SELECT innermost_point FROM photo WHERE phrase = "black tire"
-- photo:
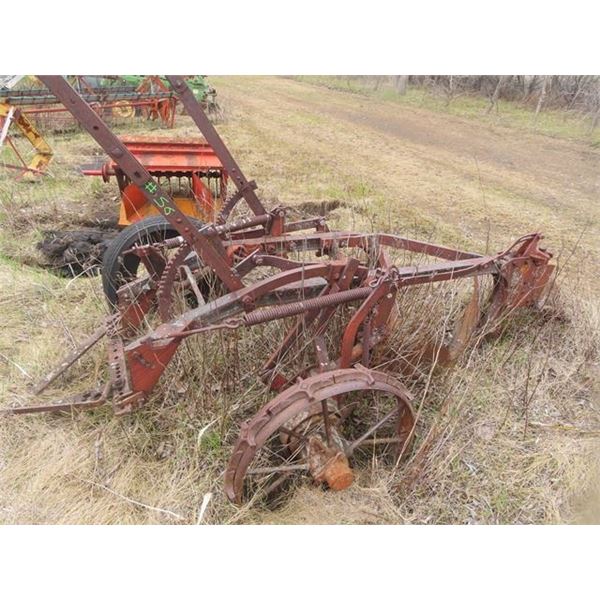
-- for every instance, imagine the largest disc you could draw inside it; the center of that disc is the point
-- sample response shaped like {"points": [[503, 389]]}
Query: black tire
{"points": [[118, 269]]}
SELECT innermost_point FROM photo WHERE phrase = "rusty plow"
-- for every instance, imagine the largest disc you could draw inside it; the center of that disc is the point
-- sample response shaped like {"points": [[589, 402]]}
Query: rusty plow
{"points": [[324, 419]]}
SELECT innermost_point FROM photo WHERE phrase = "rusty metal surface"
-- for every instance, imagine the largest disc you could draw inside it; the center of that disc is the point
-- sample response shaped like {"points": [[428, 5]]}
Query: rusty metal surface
{"points": [[311, 413], [298, 406], [328, 464], [210, 134]]}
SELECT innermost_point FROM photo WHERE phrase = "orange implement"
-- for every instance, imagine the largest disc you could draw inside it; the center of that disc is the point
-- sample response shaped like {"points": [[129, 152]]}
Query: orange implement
{"points": [[191, 171]]}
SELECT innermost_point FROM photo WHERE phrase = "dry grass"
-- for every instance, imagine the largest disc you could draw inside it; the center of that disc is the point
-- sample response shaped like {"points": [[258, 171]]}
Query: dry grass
{"points": [[508, 436]]}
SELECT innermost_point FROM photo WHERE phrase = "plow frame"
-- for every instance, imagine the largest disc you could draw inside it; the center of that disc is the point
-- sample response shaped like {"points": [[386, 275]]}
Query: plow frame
{"points": [[308, 290]]}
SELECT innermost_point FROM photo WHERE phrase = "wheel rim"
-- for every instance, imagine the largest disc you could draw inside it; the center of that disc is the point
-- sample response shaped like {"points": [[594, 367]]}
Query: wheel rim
{"points": [[289, 436], [123, 109]]}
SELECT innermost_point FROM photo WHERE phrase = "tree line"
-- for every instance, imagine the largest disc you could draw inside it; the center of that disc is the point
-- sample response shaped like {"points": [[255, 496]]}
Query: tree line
{"points": [[580, 93]]}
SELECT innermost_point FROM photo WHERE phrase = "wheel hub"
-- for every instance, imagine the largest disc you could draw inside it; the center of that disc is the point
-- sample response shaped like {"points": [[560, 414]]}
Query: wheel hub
{"points": [[329, 465], [323, 448]]}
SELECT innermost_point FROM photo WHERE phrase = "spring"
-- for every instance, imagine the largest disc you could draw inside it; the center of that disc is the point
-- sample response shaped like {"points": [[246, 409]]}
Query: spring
{"points": [[296, 308]]}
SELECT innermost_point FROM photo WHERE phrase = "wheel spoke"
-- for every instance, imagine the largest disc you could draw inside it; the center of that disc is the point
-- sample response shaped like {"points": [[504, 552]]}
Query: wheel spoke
{"points": [[346, 412], [293, 433], [369, 431], [375, 441], [281, 469], [276, 484], [326, 421]]}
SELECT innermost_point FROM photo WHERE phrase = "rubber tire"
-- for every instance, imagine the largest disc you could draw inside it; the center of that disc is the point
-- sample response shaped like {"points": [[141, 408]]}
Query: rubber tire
{"points": [[115, 268]]}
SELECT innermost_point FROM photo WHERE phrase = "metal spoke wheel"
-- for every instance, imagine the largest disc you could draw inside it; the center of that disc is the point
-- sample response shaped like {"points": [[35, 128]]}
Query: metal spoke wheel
{"points": [[321, 428]]}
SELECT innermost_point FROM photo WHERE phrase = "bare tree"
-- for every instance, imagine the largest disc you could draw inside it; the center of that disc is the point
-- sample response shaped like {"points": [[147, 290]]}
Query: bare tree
{"points": [[545, 81], [596, 116], [529, 82], [570, 92], [494, 98], [449, 89], [401, 84]]}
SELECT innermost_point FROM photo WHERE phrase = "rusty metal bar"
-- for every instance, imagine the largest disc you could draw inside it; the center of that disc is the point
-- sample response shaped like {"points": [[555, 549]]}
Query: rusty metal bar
{"points": [[92, 399], [245, 188], [82, 349]]}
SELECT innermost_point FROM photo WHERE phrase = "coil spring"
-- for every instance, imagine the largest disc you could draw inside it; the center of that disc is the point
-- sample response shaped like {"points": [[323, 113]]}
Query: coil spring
{"points": [[295, 308]]}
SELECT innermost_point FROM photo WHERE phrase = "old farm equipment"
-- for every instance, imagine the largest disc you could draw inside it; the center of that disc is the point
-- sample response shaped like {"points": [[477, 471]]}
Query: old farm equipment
{"points": [[150, 97], [26, 166], [203, 92], [327, 414], [191, 171], [195, 179]]}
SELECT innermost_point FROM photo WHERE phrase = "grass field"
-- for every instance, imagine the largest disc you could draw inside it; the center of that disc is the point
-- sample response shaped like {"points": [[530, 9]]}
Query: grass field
{"points": [[511, 435], [567, 124]]}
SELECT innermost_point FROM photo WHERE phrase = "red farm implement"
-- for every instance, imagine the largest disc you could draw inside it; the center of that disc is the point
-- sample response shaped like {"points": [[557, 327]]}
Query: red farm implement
{"points": [[190, 171], [339, 405], [150, 98]]}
